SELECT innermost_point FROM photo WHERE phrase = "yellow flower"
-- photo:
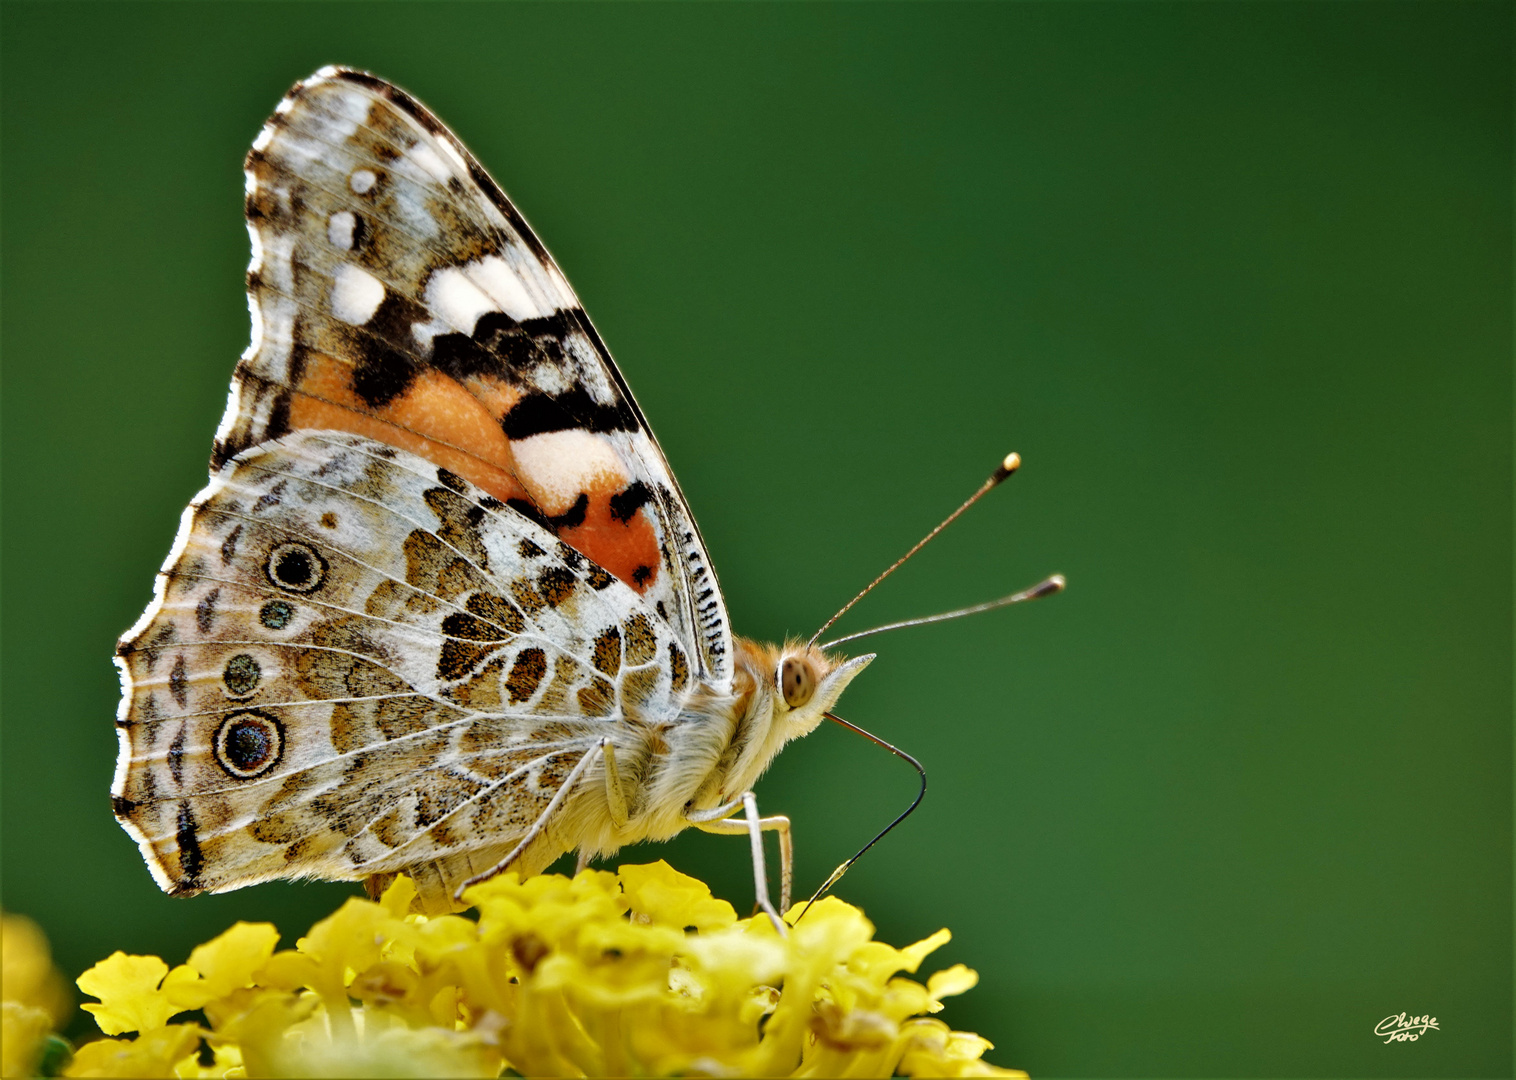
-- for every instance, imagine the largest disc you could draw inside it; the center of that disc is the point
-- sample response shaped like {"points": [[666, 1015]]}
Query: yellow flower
{"points": [[35, 1000], [639, 972]]}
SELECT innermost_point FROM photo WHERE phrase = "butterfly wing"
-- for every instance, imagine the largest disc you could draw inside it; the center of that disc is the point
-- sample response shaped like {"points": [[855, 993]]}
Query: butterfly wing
{"points": [[359, 662], [396, 293]]}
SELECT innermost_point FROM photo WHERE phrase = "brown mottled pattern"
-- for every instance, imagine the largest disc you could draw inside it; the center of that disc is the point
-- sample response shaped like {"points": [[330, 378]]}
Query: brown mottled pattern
{"points": [[408, 715], [382, 751], [552, 771], [392, 829], [498, 610], [457, 658], [447, 790], [458, 530], [639, 688], [607, 656], [556, 584], [678, 667], [529, 598], [495, 763], [598, 578], [641, 645], [399, 633], [435, 568], [598, 698], [482, 692], [389, 599], [566, 673], [526, 674]]}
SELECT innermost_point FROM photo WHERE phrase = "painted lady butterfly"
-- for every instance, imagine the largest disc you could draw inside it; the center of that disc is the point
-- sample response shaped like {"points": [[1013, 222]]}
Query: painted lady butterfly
{"points": [[441, 607]]}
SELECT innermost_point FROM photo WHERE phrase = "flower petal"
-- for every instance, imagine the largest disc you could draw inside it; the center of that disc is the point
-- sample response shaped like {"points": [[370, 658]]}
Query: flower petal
{"points": [[664, 895], [154, 1053], [127, 987]]}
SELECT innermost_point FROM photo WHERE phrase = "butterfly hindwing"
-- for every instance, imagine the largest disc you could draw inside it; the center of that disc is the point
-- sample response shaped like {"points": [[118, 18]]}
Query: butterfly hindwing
{"points": [[359, 662], [396, 293]]}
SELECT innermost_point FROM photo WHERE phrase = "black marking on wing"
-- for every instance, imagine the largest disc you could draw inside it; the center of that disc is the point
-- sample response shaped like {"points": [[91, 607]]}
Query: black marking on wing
{"points": [[178, 682], [191, 860], [570, 518], [385, 369], [205, 610], [626, 503], [229, 546], [176, 756], [498, 342], [535, 414]]}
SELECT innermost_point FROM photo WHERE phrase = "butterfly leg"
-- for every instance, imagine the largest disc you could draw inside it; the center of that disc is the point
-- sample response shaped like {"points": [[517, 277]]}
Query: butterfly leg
{"points": [[589, 757], [615, 795], [615, 799], [716, 821]]}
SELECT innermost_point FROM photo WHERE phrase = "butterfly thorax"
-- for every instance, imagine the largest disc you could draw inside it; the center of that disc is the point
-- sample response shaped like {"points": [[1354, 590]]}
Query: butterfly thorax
{"points": [[721, 742]]}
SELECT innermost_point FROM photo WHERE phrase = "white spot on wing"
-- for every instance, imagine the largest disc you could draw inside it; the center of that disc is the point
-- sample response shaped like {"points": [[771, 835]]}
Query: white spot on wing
{"points": [[460, 294], [549, 378], [339, 229], [456, 299], [362, 181], [557, 465], [560, 286], [257, 339], [255, 263], [429, 163], [356, 294], [275, 253], [500, 282], [452, 155]]}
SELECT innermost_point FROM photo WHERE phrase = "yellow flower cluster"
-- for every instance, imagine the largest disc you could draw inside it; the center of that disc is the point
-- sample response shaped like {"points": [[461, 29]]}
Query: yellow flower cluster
{"points": [[634, 973], [35, 999]]}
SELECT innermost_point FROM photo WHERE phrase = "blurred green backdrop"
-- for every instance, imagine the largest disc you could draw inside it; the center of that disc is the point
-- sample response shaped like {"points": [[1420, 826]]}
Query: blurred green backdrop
{"points": [[1235, 280]]}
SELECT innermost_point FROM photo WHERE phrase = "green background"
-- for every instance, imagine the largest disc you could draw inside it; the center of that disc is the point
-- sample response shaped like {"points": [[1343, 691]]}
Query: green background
{"points": [[1234, 279]]}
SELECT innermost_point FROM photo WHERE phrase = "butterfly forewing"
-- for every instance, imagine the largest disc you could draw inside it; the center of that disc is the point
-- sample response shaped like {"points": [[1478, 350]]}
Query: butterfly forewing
{"points": [[360, 662], [396, 293]]}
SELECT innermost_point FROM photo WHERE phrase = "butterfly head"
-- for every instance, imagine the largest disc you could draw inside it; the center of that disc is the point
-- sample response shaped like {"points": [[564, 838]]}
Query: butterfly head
{"points": [[807, 682]]}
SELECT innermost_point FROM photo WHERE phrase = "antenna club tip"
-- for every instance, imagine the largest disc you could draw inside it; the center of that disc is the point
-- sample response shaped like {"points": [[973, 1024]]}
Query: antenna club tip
{"points": [[1058, 582], [1011, 463]]}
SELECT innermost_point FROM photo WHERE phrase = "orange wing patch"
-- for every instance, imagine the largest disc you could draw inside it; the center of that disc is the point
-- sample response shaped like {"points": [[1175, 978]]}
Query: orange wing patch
{"points": [[579, 479], [628, 548], [575, 479], [435, 418]]}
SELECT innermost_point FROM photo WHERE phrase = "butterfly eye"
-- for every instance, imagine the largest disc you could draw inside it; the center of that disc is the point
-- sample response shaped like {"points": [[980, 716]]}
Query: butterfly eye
{"points": [[797, 681], [249, 744], [296, 567]]}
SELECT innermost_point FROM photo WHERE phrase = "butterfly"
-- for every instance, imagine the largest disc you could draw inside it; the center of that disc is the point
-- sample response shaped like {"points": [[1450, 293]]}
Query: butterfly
{"points": [[441, 608]]}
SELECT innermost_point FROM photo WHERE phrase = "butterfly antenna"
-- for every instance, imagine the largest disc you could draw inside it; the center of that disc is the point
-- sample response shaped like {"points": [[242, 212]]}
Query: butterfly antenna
{"points": [[1047, 587], [1008, 466], [836, 874]]}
